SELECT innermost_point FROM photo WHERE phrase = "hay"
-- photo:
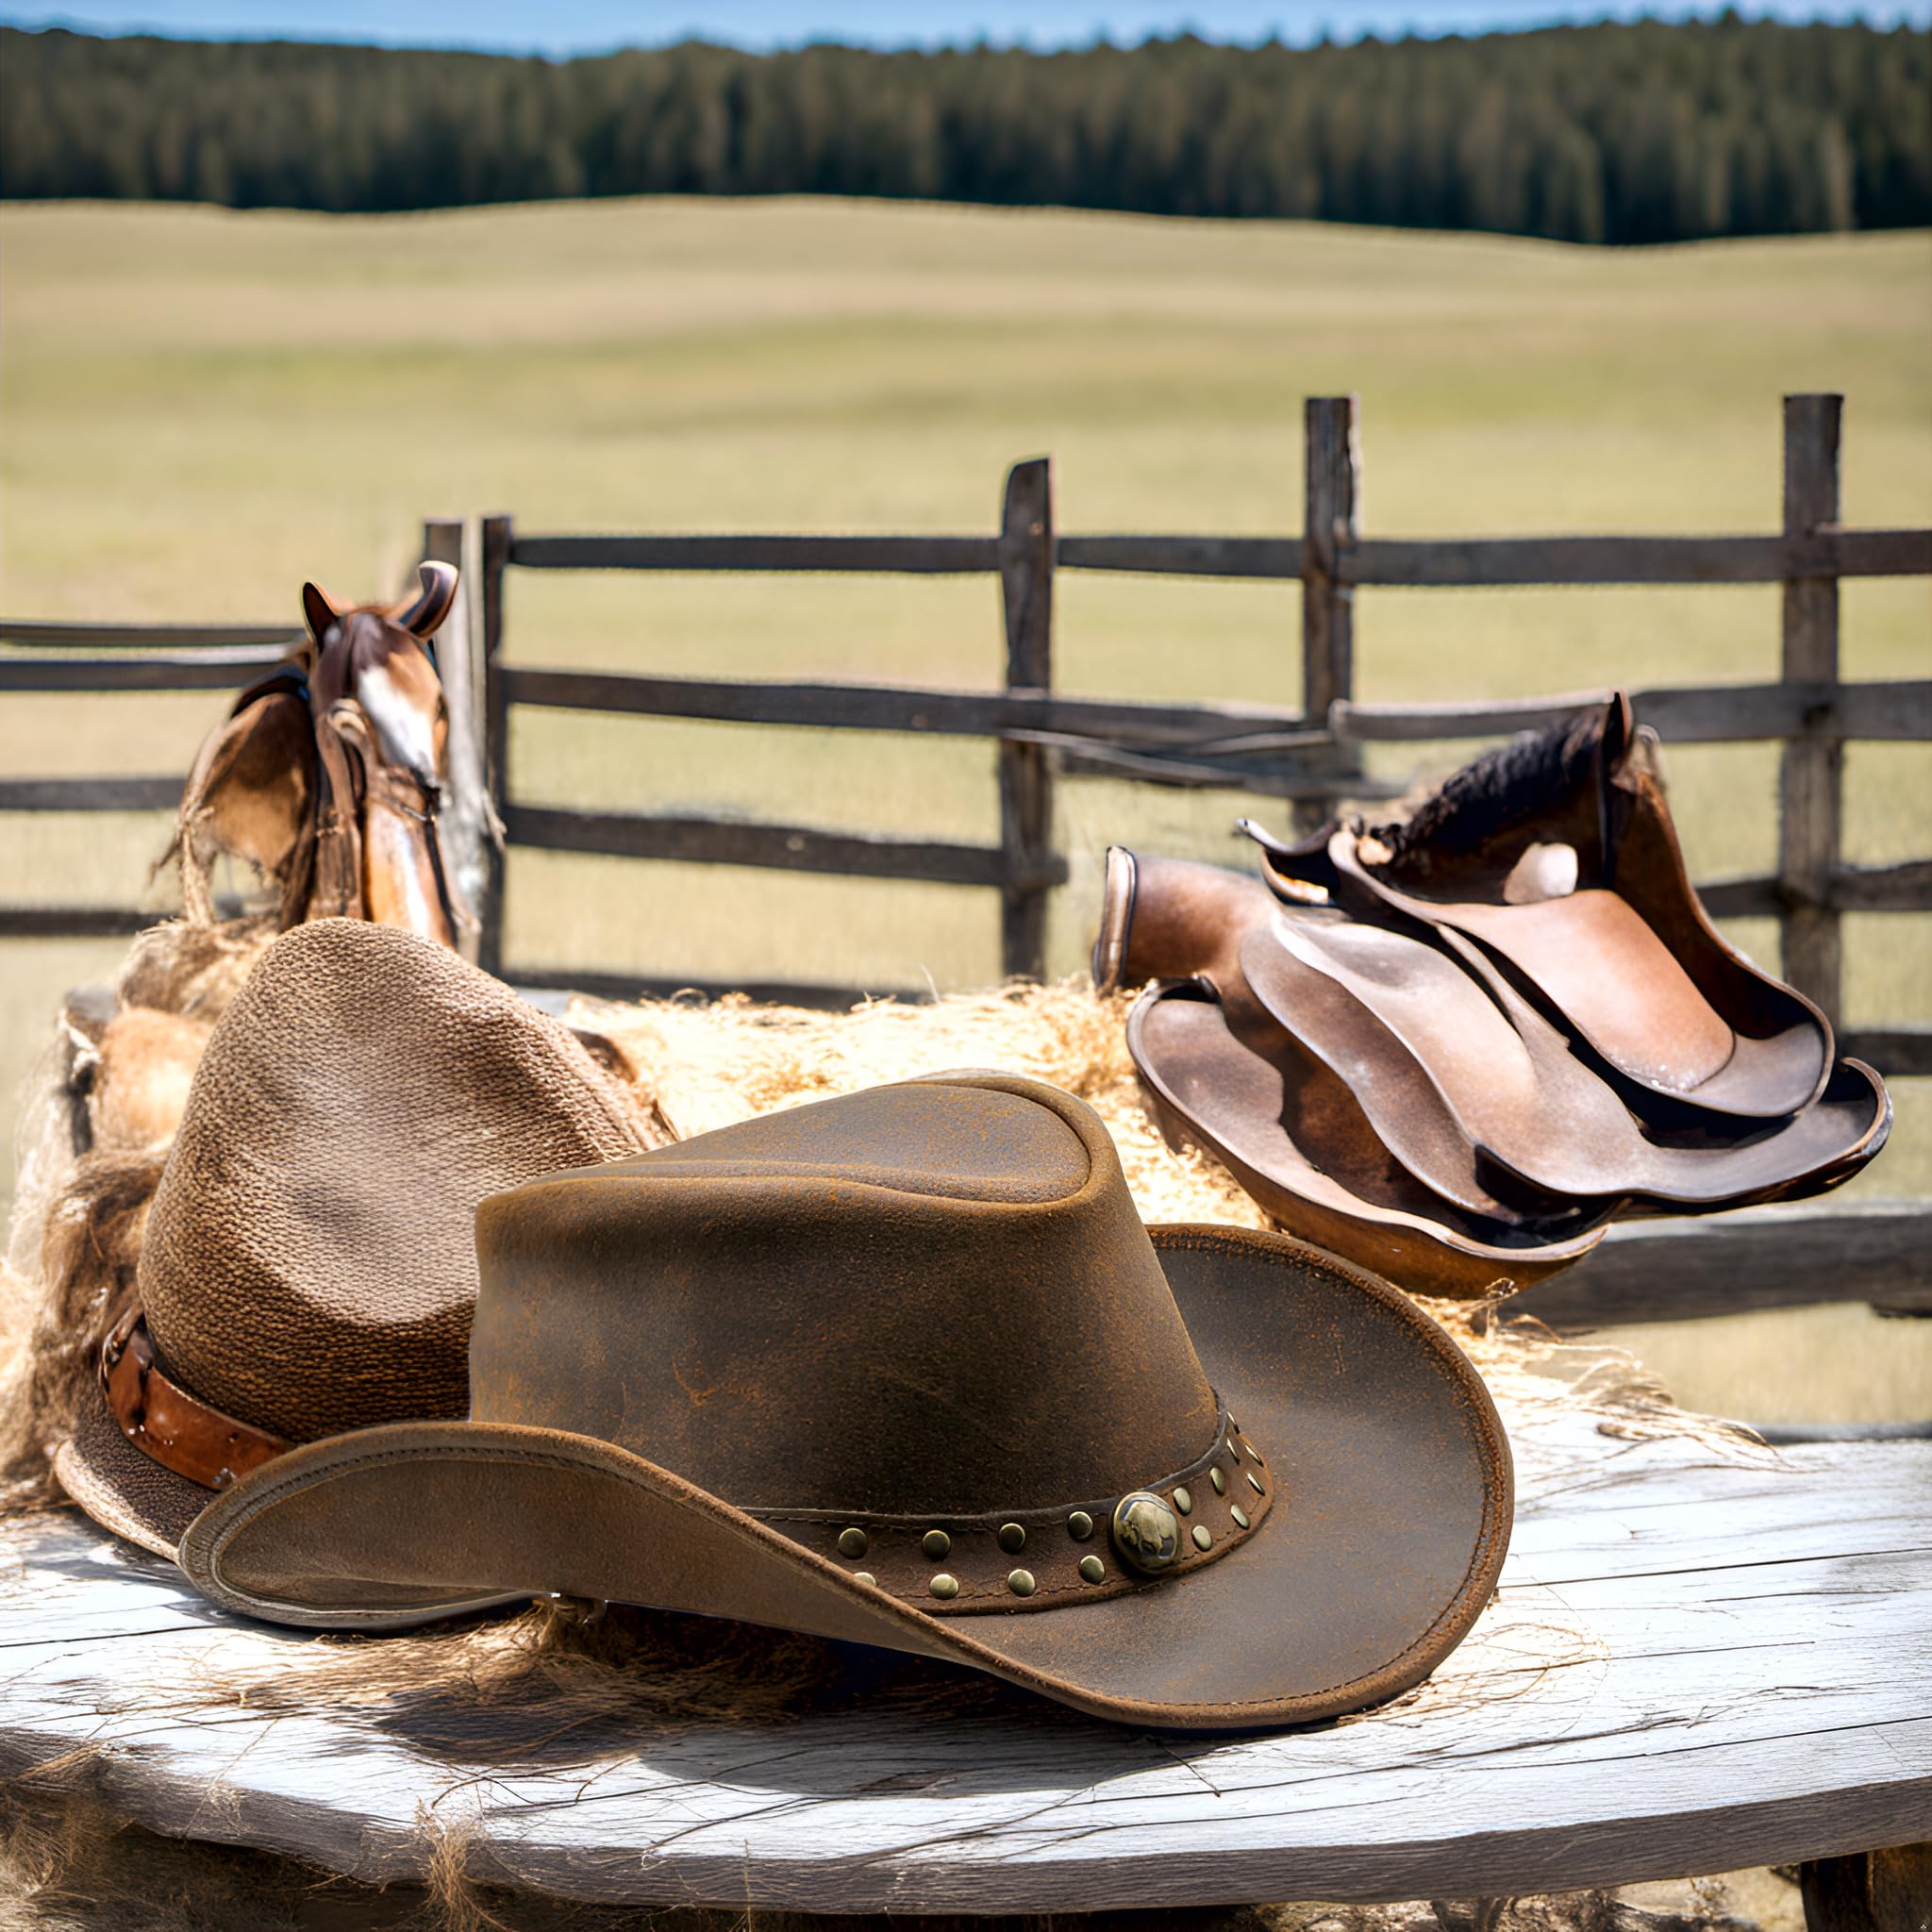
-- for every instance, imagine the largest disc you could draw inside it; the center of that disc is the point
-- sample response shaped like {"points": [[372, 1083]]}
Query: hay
{"points": [[726, 1061], [96, 1120]]}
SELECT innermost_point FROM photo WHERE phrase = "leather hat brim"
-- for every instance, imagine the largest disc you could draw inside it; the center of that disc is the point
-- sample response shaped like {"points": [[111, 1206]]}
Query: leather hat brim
{"points": [[1389, 1524]]}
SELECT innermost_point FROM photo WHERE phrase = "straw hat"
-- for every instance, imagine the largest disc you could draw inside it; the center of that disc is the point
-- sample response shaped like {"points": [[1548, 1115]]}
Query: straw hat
{"points": [[310, 1264]]}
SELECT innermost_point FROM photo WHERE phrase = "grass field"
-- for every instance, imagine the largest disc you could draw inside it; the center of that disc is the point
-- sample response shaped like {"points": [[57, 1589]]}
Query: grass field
{"points": [[199, 408]]}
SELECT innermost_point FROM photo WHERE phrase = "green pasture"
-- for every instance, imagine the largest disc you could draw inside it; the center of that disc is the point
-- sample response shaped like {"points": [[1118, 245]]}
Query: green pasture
{"points": [[199, 408]]}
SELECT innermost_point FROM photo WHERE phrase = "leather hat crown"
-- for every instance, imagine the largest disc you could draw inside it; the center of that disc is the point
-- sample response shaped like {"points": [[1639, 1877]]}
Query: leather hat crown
{"points": [[905, 1368]]}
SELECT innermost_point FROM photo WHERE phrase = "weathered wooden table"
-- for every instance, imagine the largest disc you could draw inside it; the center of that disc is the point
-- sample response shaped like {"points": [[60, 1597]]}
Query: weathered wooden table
{"points": [[1701, 1657]]}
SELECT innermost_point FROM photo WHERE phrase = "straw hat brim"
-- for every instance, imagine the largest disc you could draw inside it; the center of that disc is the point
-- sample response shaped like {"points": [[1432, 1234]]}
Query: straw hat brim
{"points": [[122, 1487], [1387, 1527]]}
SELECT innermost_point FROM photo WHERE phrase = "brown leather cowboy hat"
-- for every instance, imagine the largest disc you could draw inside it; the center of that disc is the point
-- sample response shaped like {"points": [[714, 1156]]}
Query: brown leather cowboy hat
{"points": [[310, 1264], [905, 1369]]}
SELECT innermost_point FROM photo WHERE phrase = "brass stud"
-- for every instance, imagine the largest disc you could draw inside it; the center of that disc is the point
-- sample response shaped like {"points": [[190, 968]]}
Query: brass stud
{"points": [[944, 1586], [1012, 1539], [1220, 1481], [1079, 1525], [1021, 1582], [1202, 1537], [865, 1576], [1253, 1484], [1093, 1570], [1254, 1453], [852, 1542], [1183, 1502], [936, 1543], [1146, 1533], [1240, 1515]]}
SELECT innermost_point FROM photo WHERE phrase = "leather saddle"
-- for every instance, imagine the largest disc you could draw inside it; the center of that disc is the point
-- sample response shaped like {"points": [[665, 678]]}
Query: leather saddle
{"points": [[1458, 1048]]}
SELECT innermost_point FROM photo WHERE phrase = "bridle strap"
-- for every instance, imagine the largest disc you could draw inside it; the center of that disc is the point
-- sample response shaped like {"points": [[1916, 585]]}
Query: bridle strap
{"points": [[178, 1430]]}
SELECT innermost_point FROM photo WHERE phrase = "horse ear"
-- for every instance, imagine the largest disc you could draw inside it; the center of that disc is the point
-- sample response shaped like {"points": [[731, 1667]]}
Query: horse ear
{"points": [[1619, 727], [425, 613], [321, 609]]}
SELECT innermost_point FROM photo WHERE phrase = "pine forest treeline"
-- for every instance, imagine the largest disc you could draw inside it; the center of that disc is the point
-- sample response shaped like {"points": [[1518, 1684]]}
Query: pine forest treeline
{"points": [[1641, 133]]}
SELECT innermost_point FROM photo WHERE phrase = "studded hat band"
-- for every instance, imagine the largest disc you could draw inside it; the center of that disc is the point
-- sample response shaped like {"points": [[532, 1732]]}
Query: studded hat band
{"points": [[1038, 1559], [159, 1417]]}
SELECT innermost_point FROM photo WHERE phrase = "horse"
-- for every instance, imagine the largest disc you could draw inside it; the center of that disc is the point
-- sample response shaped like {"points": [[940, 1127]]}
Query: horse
{"points": [[327, 774]]}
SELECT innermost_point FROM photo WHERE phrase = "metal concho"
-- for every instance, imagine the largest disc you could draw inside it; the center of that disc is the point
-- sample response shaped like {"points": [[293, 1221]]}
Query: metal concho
{"points": [[1146, 1533]]}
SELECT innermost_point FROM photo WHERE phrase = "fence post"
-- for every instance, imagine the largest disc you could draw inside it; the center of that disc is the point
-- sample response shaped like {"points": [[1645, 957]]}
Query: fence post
{"points": [[494, 555], [1812, 773], [1330, 518], [464, 824], [1025, 774]]}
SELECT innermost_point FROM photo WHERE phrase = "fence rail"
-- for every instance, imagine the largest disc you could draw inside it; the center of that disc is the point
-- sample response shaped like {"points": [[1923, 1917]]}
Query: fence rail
{"points": [[1311, 755]]}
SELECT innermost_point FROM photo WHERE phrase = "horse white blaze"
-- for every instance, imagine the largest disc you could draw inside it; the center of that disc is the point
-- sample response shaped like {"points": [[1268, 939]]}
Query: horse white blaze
{"points": [[404, 728]]}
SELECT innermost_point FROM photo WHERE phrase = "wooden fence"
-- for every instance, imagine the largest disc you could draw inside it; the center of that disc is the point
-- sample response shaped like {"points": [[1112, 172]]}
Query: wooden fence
{"points": [[1310, 755], [1776, 1256]]}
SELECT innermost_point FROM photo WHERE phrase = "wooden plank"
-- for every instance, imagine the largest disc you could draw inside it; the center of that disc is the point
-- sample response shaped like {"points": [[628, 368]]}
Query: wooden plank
{"points": [[220, 669], [75, 922], [1811, 771], [90, 794], [1025, 771], [914, 709], [493, 554], [1752, 898], [818, 995], [1331, 493], [1183, 557], [466, 825], [784, 848], [1755, 1258], [1851, 889], [1896, 710], [1813, 551], [915, 555], [1845, 1432], [1906, 888], [1887, 1888], [1283, 777], [1640, 1700], [1899, 1052], [1331, 497], [1839, 552], [150, 637], [1396, 562]]}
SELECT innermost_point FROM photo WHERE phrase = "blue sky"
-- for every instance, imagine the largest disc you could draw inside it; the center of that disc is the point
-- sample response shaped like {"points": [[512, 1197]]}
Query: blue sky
{"points": [[577, 26]]}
